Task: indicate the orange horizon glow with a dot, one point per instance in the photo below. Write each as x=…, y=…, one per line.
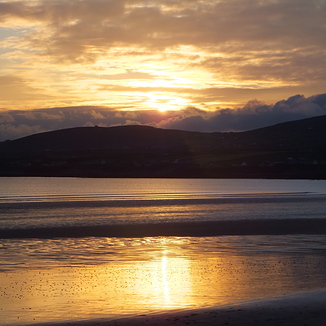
x=150, y=56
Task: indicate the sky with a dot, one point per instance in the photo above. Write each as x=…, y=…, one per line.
x=204, y=65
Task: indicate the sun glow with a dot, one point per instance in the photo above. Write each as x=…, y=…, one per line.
x=165, y=102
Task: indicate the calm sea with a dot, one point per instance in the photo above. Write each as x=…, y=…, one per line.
x=73, y=248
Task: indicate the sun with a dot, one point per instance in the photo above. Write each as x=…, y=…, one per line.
x=165, y=102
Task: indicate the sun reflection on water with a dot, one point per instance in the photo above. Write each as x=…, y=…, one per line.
x=165, y=280
x=169, y=283
x=92, y=277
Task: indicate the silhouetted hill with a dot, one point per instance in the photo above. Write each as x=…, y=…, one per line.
x=288, y=150
x=306, y=133
x=98, y=138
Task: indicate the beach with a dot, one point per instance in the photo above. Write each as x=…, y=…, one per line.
x=301, y=309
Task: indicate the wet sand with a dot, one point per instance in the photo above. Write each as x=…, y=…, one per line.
x=291, y=310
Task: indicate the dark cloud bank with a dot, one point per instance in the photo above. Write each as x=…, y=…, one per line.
x=16, y=124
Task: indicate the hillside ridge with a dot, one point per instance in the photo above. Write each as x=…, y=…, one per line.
x=294, y=149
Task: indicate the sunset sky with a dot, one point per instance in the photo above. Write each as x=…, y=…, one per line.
x=205, y=65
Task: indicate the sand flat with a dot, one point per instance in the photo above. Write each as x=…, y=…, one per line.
x=301, y=309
